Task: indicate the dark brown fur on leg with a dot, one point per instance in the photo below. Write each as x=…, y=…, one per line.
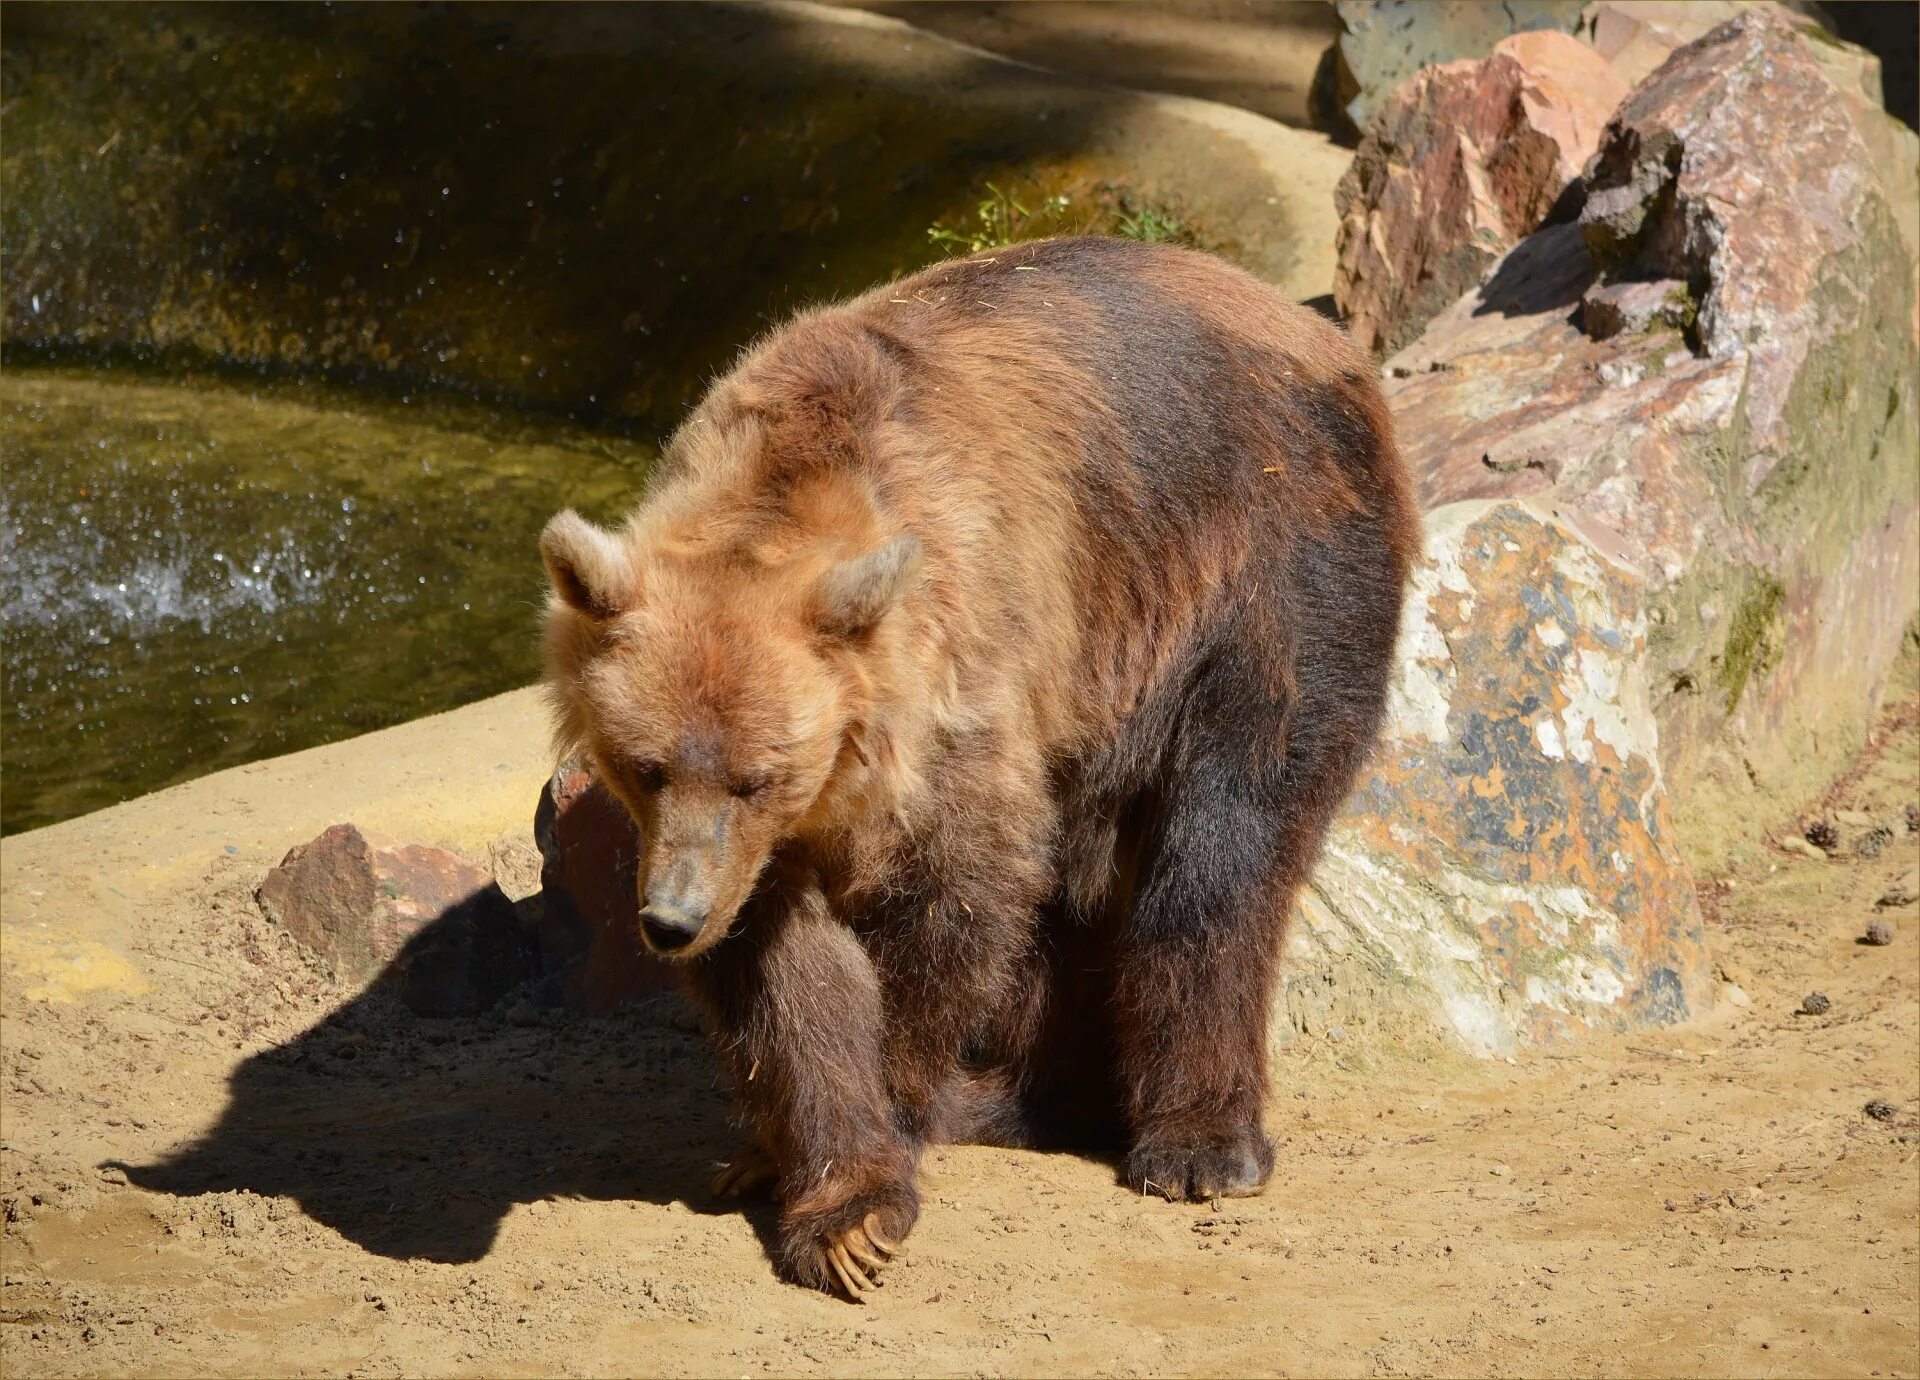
x=1190, y=997
x=950, y=935
x=1269, y=736
x=796, y=1007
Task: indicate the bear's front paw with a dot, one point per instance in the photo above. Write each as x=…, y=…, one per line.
x=843, y=1250
x=1235, y=1165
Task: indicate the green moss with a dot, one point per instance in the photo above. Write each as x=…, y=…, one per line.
x=1683, y=310
x=1815, y=32
x=1752, y=640
x=1046, y=203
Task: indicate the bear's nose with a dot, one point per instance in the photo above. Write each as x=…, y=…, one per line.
x=668, y=929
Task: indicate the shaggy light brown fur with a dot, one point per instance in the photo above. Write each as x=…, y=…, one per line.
x=982, y=670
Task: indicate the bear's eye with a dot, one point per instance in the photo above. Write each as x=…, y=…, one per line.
x=747, y=787
x=649, y=776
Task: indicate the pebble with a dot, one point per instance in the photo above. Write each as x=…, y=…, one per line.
x=1815, y=1004
x=1874, y=841
x=1878, y=932
x=1903, y=892
x=1880, y=1109
x=1734, y=994
x=1500, y=1171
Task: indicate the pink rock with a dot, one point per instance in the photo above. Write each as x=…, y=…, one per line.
x=1760, y=468
x=1637, y=36
x=1463, y=161
x=1674, y=193
x=425, y=919
x=1384, y=42
x=1506, y=867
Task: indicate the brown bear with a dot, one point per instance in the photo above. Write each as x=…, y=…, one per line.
x=982, y=670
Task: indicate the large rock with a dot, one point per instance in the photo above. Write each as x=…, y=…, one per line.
x=1506, y=872
x=1751, y=446
x=1383, y=43
x=1636, y=36
x=1461, y=163
x=424, y=919
x=589, y=887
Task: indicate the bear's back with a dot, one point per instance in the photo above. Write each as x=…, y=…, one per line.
x=1098, y=443
x=1180, y=383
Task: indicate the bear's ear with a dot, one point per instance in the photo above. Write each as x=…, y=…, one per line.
x=854, y=594
x=591, y=569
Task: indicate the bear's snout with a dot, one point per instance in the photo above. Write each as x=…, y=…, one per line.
x=667, y=930
x=676, y=901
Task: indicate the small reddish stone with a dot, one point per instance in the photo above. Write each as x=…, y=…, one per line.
x=427, y=919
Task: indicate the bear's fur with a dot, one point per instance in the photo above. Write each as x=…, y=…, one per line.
x=983, y=668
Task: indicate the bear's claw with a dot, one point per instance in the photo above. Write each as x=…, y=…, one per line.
x=856, y=1258
x=752, y=1169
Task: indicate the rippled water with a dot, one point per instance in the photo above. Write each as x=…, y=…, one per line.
x=197, y=574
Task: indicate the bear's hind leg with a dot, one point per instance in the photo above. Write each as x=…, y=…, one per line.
x=1263, y=758
x=1194, y=974
x=1232, y=836
x=753, y=1170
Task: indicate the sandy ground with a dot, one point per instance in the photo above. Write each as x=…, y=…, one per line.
x=220, y=1162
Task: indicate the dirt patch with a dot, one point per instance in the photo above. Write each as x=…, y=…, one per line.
x=250, y=1169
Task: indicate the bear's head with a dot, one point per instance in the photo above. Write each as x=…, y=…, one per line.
x=723, y=685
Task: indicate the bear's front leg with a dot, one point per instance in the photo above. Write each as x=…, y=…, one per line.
x=796, y=1007
x=951, y=935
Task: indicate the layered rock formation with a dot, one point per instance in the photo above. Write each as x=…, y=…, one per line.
x=1742, y=432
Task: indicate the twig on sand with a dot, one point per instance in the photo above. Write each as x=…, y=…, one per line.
x=184, y=962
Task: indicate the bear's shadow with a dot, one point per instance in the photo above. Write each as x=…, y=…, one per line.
x=415, y=1137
